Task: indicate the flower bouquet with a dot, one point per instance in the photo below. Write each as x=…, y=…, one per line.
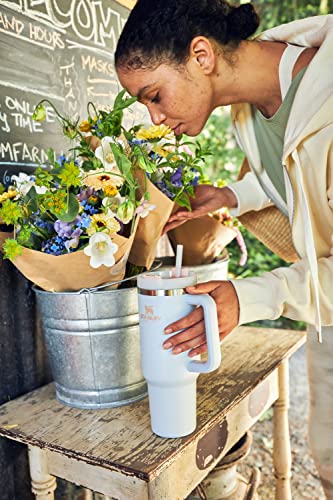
x=74, y=220
x=213, y=233
x=171, y=169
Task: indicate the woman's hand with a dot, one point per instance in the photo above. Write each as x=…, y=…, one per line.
x=207, y=199
x=193, y=335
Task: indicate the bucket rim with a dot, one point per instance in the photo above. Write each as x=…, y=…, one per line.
x=82, y=292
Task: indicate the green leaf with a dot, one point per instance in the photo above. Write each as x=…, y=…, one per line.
x=190, y=191
x=121, y=103
x=51, y=157
x=30, y=200
x=72, y=209
x=183, y=200
x=124, y=164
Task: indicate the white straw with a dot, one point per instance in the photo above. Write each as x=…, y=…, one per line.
x=179, y=258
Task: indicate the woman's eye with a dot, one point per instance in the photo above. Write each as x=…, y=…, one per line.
x=156, y=99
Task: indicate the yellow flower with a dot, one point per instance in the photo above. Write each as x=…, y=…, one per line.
x=102, y=222
x=110, y=191
x=100, y=179
x=11, y=193
x=162, y=151
x=155, y=132
x=85, y=126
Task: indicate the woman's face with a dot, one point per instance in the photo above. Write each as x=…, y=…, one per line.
x=179, y=98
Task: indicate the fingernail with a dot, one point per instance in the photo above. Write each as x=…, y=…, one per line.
x=167, y=345
x=168, y=330
x=192, y=354
x=177, y=350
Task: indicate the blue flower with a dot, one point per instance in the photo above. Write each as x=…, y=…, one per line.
x=88, y=208
x=176, y=178
x=54, y=246
x=162, y=186
x=61, y=160
x=194, y=182
x=84, y=221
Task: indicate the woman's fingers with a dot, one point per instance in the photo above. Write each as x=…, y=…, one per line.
x=171, y=225
x=179, y=218
x=185, y=322
x=203, y=347
x=183, y=341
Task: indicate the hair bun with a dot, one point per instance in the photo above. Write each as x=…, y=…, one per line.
x=242, y=22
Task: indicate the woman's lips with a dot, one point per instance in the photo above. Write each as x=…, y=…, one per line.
x=177, y=130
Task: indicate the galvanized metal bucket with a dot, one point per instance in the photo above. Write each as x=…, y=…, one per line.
x=93, y=343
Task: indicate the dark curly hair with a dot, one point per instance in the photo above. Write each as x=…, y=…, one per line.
x=160, y=31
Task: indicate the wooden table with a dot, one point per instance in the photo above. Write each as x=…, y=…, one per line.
x=115, y=453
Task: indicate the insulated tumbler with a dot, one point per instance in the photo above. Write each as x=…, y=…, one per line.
x=172, y=378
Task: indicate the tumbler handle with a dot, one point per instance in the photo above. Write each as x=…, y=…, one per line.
x=212, y=334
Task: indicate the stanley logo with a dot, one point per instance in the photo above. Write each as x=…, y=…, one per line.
x=149, y=314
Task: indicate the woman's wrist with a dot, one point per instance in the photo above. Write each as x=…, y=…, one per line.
x=228, y=198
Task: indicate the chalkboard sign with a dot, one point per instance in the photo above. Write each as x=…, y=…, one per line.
x=56, y=49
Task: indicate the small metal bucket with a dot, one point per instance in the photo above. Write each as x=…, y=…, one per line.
x=93, y=343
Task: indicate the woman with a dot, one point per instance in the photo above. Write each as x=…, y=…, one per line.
x=184, y=58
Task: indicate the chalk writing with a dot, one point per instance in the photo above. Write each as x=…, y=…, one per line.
x=63, y=51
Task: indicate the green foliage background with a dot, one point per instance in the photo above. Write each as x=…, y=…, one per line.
x=227, y=157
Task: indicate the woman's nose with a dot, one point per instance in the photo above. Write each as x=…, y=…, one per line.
x=157, y=117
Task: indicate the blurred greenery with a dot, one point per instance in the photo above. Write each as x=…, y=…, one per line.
x=226, y=156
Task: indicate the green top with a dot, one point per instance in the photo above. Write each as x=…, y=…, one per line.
x=270, y=136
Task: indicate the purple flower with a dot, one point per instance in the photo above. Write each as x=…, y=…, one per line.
x=73, y=243
x=84, y=194
x=176, y=178
x=76, y=233
x=69, y=229
x=64, y=229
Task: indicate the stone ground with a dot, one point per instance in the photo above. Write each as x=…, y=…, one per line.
x=305, y=482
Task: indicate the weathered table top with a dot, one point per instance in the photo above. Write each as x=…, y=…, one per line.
x=120, y=439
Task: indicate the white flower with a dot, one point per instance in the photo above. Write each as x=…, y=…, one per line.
x=144, y=208
x=112, y=204
x=101, y=250
x=125, y=212
x=105, y=155
x=24, y=183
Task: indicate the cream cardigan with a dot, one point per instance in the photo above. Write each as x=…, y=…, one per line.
x=303, y=291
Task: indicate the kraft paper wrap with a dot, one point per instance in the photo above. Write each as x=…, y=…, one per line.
x=270, y=226
x=72, y=272
x=203, y=240
x=150, y=228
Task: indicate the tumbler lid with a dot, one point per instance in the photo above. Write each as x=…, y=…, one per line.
x=166, y=280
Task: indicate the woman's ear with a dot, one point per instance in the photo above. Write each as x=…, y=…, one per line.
x=203, y=53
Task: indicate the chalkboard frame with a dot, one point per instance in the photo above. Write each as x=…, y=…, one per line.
x=129, y=4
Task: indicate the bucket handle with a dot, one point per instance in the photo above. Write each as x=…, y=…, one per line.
x=105, y=285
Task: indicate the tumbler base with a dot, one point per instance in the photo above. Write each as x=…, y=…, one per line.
x=172, y=410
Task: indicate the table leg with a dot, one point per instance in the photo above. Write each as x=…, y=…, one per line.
x=42, y=483
x=87, y=494
x=282, y=451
